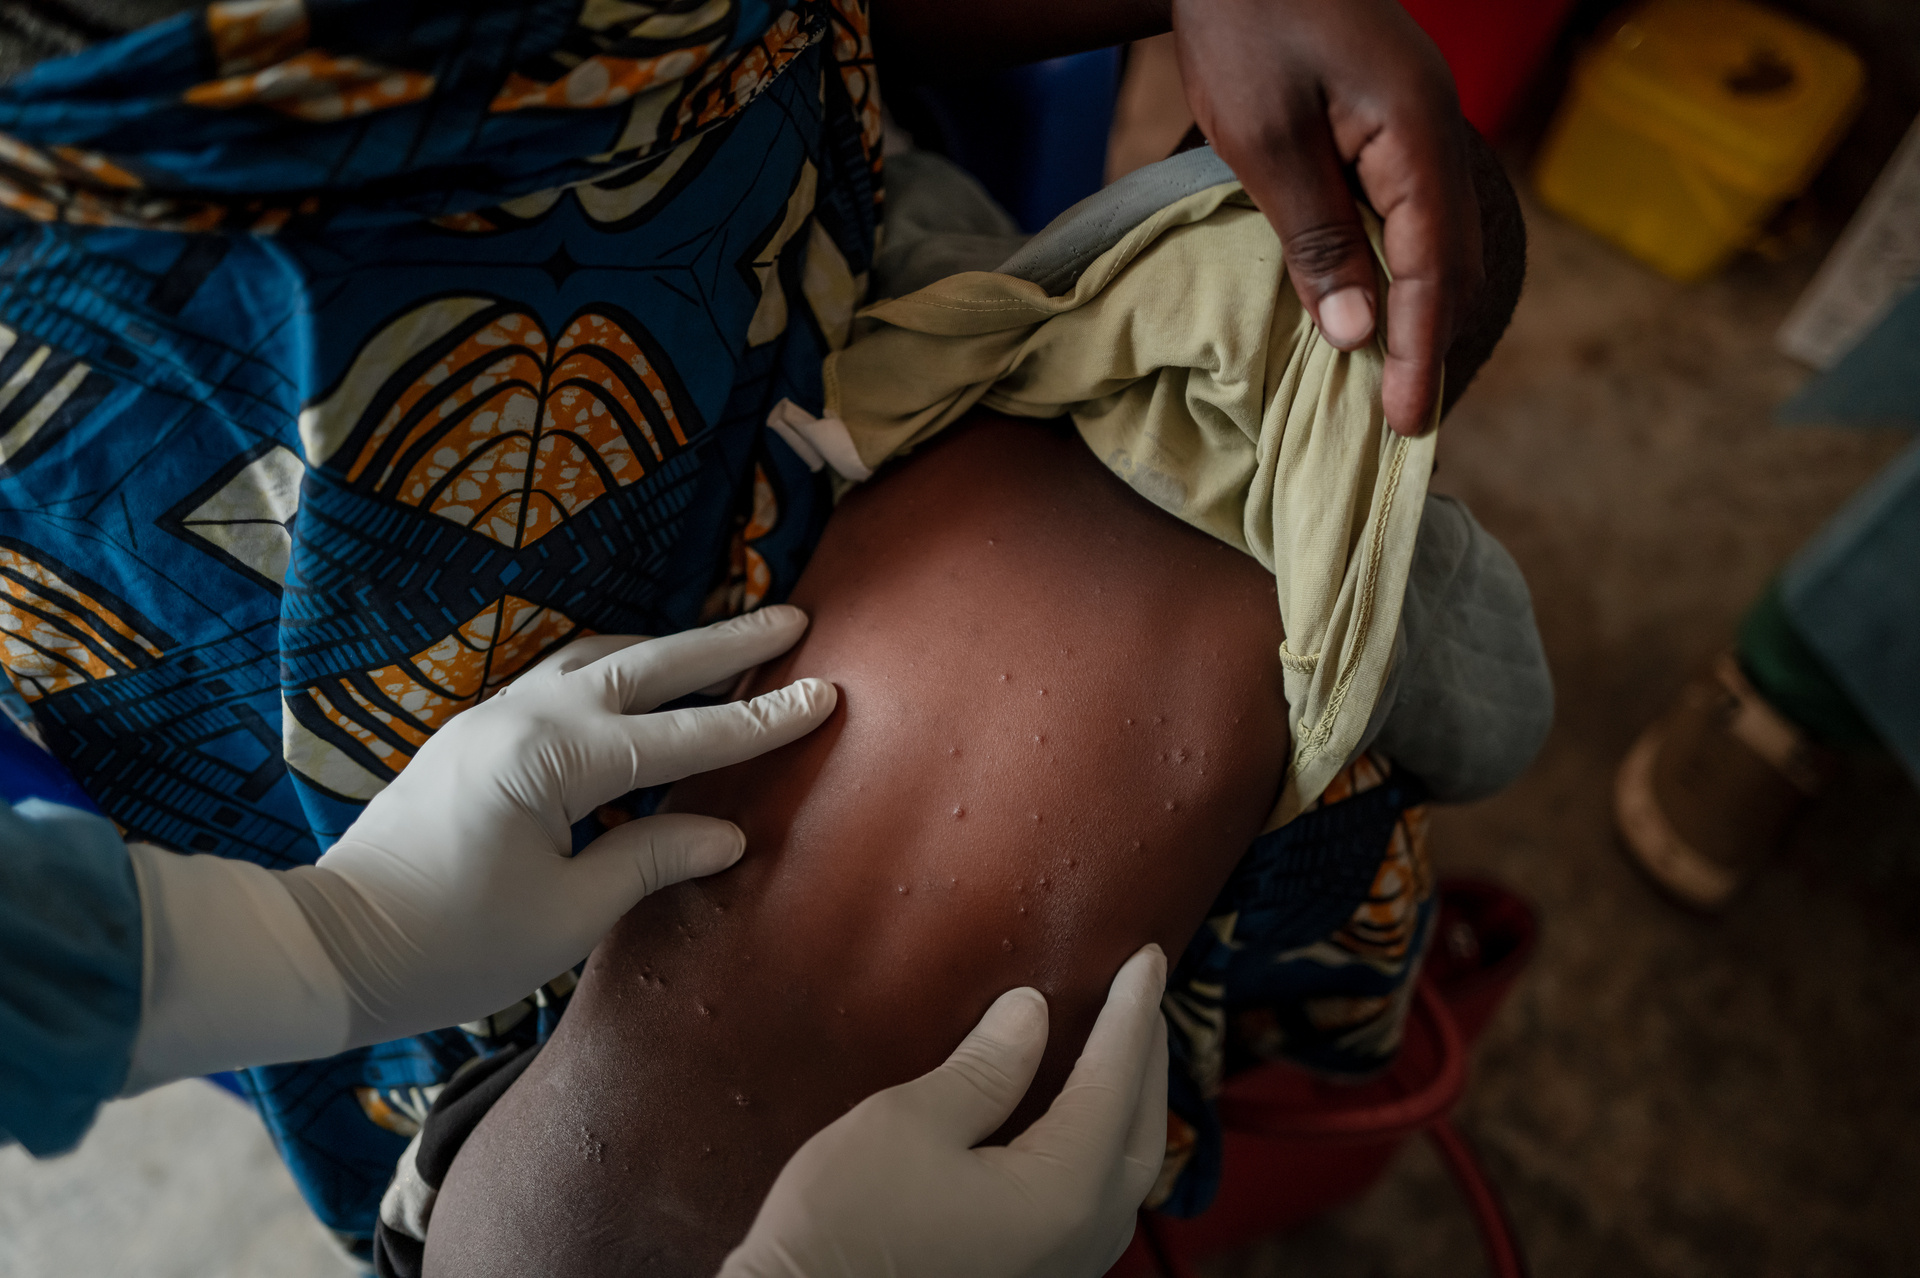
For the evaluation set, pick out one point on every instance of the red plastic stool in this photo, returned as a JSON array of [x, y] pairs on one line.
[[1296, 1146]]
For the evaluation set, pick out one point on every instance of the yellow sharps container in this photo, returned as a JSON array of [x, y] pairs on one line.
[[1689, 123]]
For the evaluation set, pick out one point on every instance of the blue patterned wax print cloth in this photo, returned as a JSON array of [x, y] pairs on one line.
[[355, 354]]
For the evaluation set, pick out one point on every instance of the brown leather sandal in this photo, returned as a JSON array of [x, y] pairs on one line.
[[1705, 796]]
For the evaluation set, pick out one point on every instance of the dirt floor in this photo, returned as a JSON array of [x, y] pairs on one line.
[[1664, 1095]]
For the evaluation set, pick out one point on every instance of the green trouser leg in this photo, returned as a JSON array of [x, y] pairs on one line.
[[1793, 679]]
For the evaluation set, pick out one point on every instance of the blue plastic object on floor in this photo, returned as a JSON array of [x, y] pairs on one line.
[[1035, 136]]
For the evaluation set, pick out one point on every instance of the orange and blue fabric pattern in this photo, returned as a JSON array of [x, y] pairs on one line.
[[1309, 954]]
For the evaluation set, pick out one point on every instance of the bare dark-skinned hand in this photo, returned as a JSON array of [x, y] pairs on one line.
[[1292, 92]]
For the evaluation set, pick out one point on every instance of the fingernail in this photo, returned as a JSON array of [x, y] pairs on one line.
[[803, 696], [1346, 317], [822, 692], [1022, 1013], [1156, 960]]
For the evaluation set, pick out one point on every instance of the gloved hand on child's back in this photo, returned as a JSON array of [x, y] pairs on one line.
[[455, 892], [897, 1187]]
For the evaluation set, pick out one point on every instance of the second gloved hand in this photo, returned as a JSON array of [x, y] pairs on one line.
[[896, 1186]]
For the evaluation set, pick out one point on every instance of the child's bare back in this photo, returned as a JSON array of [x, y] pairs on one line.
[[1061, 725]]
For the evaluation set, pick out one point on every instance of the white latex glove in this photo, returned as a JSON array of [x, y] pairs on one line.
[[896, 1187], [455, 892]]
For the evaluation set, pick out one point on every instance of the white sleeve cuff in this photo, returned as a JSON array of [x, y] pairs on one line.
[[234, 975]]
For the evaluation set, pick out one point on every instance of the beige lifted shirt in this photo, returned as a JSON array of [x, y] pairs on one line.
[[1189, 366]]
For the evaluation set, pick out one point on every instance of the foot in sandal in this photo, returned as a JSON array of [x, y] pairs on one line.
[[1705, 795]]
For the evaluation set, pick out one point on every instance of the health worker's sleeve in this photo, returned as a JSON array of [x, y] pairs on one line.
[[70, 971]]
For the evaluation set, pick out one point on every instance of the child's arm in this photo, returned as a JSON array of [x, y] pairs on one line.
[[1292, 93]]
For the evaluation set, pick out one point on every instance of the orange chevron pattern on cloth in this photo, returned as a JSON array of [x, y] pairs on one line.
[[509, 435], [474, 661], [603, 81], [748, 578], [725, 87], [68, 184], [1385, 923], [250, 35], [392, 711], [466, 409], [97, 167], [260, 48], [54, 636], [316, 85], [619, 49], [598, 73], [1383, 928], [853, 55]]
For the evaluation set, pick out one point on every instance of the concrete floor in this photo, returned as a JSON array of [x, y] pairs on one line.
[[179, 1183], [1664, 1095]]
